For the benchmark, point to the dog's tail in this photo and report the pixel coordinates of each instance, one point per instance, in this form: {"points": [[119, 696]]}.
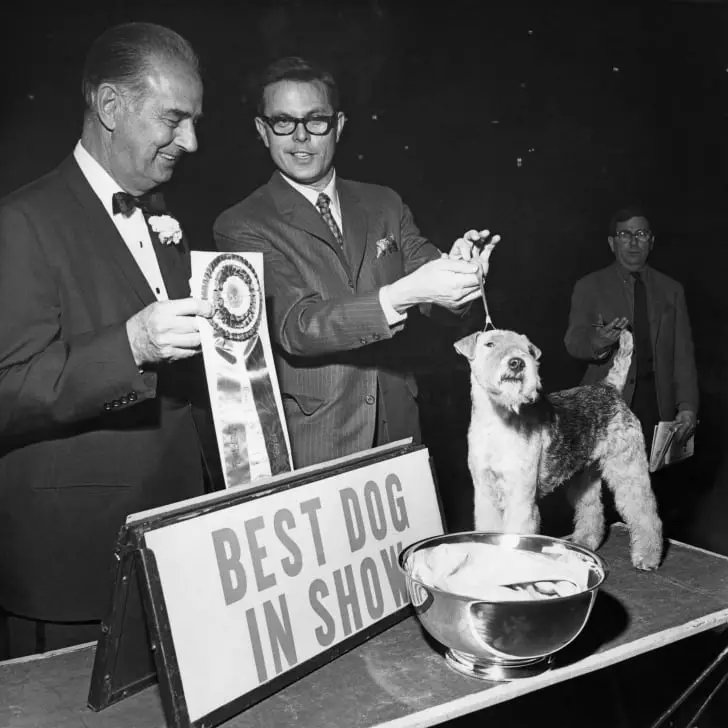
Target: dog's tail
{"points": [[617, 374]]}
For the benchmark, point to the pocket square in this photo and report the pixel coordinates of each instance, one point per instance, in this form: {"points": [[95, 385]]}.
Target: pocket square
{"points": [[386, 245]]}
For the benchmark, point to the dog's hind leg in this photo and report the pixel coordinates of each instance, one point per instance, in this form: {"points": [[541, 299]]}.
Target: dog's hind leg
{"points": [[628, 478], [584, 492]]}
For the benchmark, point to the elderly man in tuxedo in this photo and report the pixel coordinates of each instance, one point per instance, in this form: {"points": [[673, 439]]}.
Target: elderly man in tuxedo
{"points": [[99, 370], [662, 382], [344, 262]]}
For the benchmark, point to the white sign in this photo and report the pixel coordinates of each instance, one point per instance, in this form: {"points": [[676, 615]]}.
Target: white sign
{"points": [[258, 588]]}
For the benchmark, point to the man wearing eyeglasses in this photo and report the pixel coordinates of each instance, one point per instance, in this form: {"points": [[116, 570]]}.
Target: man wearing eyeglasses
{"points": [[344, 263], [662, 383]]}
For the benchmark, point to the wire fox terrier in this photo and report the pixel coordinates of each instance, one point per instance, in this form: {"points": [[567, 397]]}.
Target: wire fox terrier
{"points": [[522, 445]]}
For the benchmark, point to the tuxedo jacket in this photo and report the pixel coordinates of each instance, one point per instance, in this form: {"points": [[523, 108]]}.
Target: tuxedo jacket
{"points": [[85, 438], [608, 292], [340, 365]]}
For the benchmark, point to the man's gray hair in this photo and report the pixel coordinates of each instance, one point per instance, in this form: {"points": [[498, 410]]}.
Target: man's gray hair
{"points": [[124, 54]]}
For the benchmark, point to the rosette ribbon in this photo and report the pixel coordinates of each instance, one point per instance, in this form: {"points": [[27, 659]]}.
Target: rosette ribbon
{"points": [[248, 420]]}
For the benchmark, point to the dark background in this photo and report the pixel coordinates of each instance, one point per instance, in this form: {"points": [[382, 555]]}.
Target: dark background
{"points": [[535, 119]]}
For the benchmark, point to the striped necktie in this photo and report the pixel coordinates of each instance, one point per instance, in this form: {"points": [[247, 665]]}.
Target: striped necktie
{"points": [[323, 204]]}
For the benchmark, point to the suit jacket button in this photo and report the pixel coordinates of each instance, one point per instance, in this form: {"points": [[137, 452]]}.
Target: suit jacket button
{"points": [[351, 283], [116, 403], [132, 396], [124, 400], [107, 406], [370, 399], [376, 337], [362, 340]]}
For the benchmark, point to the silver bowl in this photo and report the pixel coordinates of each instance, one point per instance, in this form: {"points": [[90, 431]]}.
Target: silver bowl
{"points": [[503, 640]]}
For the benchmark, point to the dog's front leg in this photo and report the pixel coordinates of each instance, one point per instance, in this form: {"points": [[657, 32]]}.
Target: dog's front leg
{"points": [[520, 511], [488, 515]]}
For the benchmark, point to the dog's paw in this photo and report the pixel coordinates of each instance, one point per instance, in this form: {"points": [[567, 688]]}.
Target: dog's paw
{"points": [[590, 541], [646, 562]]}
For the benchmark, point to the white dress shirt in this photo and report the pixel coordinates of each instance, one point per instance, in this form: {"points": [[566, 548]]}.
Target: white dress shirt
{"points": [[392, 316], [133, 229]]}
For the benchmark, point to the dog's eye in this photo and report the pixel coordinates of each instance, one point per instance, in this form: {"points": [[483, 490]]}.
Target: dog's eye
{"points": [[490, 344]]}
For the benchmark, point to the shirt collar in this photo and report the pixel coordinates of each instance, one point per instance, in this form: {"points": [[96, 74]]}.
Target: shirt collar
{"points": [[624, 274], [102, 183], [312, 195]]}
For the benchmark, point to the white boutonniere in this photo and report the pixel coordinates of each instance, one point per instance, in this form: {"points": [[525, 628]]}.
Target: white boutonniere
{"points": [[386, 245], [167, 228]]}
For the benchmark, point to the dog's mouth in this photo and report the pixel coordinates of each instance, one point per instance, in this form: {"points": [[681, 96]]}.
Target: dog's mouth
{"points": [[512, 377]]}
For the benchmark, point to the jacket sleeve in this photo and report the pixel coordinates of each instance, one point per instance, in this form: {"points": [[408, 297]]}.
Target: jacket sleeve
{"points": [[50, 378], [301, 320], [685, 370], [417, 251], [582, 316]]}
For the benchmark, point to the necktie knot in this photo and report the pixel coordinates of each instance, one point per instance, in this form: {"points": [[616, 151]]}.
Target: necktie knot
{"points": [[122, 203], [323, 202]]}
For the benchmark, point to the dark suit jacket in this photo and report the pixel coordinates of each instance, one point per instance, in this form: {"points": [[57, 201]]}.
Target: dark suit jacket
{"points": [[335, 353], [85, 439], [609, 292]]}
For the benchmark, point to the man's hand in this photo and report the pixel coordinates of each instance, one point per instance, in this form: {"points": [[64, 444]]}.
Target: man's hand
{"points": [[686, 421], [447, 282], [606, 335], [475, 246], [166, 330]]}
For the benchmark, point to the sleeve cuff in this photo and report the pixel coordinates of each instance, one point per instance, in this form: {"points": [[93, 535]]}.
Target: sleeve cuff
{"points": [[393, 318]]}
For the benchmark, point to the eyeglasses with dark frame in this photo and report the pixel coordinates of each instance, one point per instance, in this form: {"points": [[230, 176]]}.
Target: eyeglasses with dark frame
{"points": [[641, 236], [316, 124]]}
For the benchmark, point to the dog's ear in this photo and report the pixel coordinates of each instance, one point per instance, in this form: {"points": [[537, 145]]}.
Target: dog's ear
{"points": [[535, 352], [466, 346]]}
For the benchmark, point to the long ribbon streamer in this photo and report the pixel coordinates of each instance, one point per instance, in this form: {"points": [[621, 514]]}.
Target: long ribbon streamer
{"points": [[250, 426]]}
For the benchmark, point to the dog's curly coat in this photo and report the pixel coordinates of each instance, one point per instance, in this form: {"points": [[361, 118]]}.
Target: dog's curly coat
{"points": [[522, 445]]}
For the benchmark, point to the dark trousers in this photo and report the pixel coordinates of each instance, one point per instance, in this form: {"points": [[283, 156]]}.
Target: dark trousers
{"points": [[644, 405]]}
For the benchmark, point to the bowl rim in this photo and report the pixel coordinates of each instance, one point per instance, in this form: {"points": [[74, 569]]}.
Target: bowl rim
{"points": [[599, 561]]}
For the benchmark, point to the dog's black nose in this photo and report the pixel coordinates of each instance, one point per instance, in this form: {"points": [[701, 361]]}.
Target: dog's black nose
{"points": [[516, 364]]}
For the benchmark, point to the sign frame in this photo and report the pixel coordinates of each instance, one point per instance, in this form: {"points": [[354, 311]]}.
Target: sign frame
{"points": [[136, 648]]}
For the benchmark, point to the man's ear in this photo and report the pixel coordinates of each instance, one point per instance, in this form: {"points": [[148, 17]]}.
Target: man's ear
{"points": [[340, 121], [466, 346], [611, 243], [108, 103], [262, 131]]}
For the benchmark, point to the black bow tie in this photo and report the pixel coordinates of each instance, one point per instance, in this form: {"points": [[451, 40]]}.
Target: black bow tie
{"points": [[125, 204]]}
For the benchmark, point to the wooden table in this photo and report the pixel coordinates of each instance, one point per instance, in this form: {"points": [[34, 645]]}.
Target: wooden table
{"points": [[399, 679]]}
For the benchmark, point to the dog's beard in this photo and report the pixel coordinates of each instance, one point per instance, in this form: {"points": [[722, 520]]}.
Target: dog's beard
{"points": [[516, 390]]}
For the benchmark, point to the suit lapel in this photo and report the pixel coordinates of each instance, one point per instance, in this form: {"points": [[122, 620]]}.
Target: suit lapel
{"points": [[173, 262], [656, 304], [355, 222], [296, 210], [109, 240]]}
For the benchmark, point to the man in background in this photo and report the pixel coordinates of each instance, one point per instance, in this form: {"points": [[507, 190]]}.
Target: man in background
{"points": [[344, 263], [662, 383], [99, 373]]}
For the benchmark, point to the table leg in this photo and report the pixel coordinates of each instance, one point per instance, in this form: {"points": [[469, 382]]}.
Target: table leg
{"points": [[667, 719]]}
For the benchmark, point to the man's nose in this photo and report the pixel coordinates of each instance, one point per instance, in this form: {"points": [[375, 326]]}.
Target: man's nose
{"points": [[187, 136], [300, 134]]}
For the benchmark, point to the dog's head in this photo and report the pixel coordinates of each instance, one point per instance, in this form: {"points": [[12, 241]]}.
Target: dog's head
{"points": [[505, 365]]}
